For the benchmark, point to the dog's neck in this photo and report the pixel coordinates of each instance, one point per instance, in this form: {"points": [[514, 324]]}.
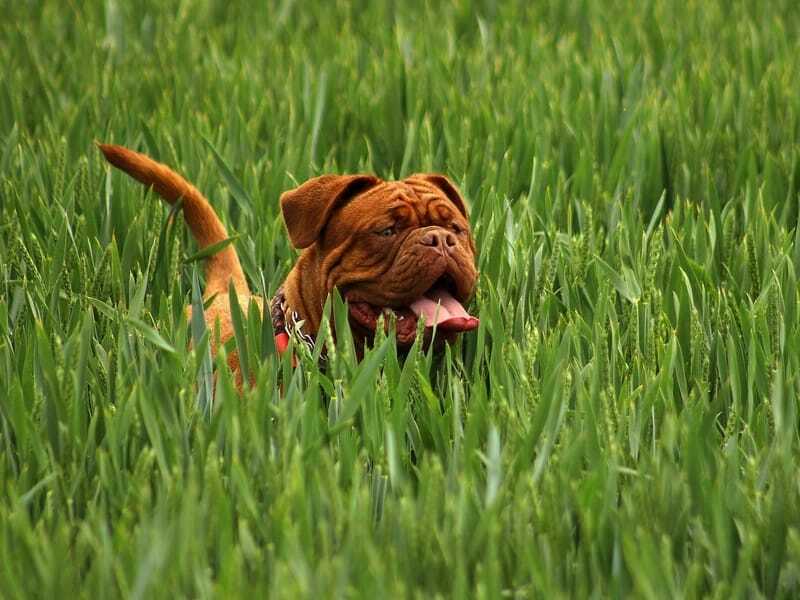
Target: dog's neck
{"points": [[303, 290], [304, 293]]}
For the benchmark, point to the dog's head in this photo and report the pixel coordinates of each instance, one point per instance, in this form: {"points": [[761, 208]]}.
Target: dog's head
{"points": [[401, 247]]}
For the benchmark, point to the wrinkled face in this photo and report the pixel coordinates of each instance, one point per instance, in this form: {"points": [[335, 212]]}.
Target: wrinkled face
{"points": [[402, 249]]}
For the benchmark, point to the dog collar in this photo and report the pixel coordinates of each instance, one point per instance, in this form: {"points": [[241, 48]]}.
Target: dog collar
{"points": [[283, 327]]}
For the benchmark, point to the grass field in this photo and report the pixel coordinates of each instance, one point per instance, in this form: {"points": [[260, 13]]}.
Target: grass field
{"points": [[624, 422]]}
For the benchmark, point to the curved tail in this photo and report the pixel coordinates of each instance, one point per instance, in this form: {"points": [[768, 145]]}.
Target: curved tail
{"points": [[222, 267]]}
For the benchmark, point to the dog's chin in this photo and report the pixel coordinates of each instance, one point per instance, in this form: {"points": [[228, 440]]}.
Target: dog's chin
{"points": [[439, 308]]}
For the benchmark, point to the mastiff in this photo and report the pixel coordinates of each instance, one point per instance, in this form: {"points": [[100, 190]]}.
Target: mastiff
{"points": [[400, 249]]}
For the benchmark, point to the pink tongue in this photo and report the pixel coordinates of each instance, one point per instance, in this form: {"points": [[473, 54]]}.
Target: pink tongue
{"points": [[439, 308]]}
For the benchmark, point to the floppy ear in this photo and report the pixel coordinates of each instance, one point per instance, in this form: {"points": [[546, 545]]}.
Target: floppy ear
{"points": [[308, 207], [446, 186]]}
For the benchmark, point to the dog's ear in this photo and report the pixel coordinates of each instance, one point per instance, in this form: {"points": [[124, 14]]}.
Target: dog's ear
{"points": [[446, 186], [308, 207]]}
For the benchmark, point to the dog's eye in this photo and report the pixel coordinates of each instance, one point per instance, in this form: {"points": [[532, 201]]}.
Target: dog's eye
{"points": [[389, 231], [456, 228]]}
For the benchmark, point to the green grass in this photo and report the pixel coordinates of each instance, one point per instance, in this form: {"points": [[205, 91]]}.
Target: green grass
{"points": [[625, 420]]}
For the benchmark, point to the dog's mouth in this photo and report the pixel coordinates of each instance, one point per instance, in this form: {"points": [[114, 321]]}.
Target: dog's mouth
{"points": [[438, 307]]}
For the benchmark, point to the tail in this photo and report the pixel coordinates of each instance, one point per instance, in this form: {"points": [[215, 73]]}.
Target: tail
{"points": [[221, 268]]}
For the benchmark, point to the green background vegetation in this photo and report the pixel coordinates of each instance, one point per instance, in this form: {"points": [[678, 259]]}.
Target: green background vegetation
{"points": [[625, 420]]}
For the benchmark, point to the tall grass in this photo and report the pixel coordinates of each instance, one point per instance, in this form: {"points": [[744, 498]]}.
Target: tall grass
{"points": [[624, 421]]}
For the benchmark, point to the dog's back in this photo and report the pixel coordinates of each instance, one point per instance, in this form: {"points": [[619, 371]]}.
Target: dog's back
{"points": [[221, 268]]}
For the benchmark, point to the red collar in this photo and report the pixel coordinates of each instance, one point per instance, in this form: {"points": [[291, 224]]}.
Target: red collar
{"points": [[281, 342], [279, 309]]}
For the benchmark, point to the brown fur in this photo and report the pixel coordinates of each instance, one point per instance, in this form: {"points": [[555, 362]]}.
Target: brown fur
{"points": [[220, 269], [335, 220], [388, 272]]}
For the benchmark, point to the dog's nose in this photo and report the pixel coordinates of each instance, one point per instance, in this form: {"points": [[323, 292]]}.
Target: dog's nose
{"points": [[439, 238]]}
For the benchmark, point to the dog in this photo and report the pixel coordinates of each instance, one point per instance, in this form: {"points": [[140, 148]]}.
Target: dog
{"points": [[394, 248]]}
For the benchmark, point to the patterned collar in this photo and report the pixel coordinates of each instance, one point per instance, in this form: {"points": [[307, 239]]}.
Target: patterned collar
{"points": [[283, 327]]}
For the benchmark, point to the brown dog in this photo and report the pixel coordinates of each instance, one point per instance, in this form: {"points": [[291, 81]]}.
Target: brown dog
{"points": [[401, 246]]}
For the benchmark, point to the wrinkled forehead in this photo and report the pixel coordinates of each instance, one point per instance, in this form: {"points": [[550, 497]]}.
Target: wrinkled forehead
{"points": [[408, 198]]}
